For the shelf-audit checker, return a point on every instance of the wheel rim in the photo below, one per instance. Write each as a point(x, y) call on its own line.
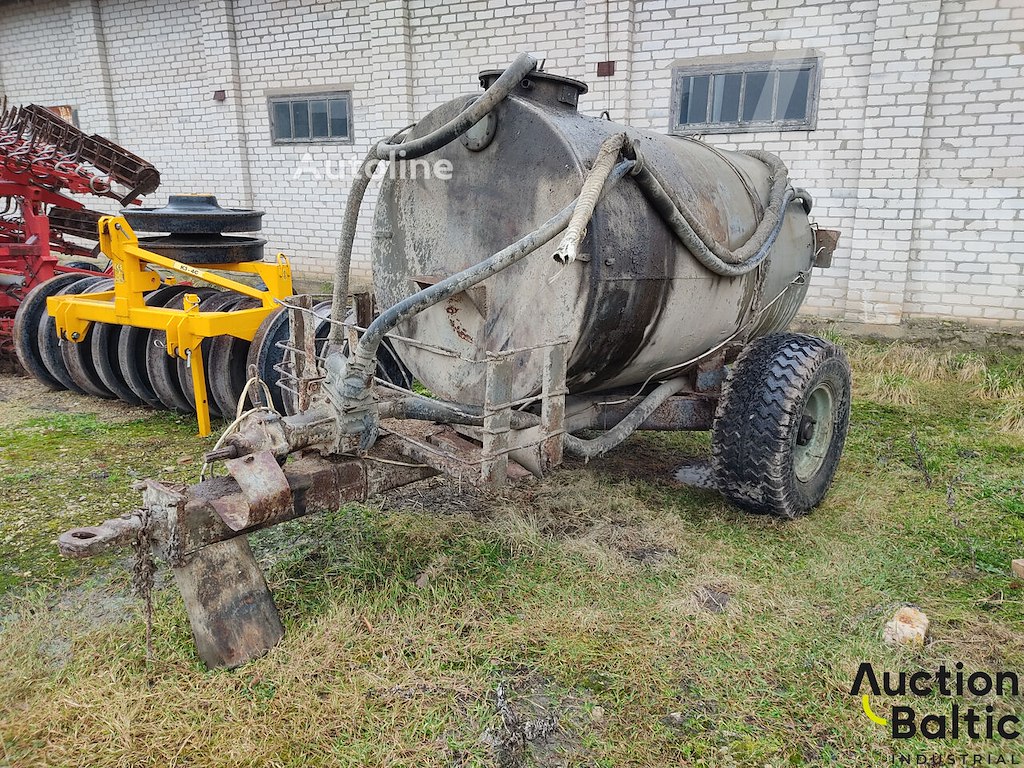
point(814, 432)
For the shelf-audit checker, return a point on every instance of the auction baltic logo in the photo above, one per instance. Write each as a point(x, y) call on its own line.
point(958, 719)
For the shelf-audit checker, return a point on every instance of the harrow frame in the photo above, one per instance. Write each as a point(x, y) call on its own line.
point(187, 328)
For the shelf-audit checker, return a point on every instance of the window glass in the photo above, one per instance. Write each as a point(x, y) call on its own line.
point(300, 119)
point(339, 117)
point(791, 102)
point(282, 117)
point(744, 94)
point(757, 96)
point(693, 100)
point(318, 119)
point(725, 107)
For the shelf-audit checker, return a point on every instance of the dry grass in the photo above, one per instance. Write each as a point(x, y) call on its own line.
point(625, 621)
point(894, 374)
point(1011, 412)
point(893, 388)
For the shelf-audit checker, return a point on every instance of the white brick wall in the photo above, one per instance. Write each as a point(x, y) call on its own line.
point(916, 155)
point(967, 259)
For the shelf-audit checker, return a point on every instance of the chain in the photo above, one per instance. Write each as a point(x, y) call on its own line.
point(143, 570)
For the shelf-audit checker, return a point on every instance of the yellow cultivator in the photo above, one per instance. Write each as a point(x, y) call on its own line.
point(150, 337)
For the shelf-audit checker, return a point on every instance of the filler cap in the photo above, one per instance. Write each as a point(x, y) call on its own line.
point(554, 90)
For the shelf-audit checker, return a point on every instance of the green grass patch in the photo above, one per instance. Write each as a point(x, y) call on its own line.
point(603, 617)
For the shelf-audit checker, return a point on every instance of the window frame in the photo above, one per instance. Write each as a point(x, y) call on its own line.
point(733, 65)
point(309, 96)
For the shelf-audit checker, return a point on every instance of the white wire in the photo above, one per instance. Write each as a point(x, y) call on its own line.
point(240, 416)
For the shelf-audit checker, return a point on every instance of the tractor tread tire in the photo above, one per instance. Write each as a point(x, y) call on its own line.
point(758, 416)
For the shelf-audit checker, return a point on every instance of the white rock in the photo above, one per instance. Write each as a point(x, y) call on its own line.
point(908, 627)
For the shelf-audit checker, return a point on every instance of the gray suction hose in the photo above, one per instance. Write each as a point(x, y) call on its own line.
point(343, 257)
point(366, 350)
point(427, 409)
point(692, 232)
point(523, 65)
point(590, 449)
point(388, 150)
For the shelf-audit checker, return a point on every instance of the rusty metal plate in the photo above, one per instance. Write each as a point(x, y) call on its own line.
point(825, 242)
point(264, 486)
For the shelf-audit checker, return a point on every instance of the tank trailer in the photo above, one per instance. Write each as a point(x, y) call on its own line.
point(570, 275)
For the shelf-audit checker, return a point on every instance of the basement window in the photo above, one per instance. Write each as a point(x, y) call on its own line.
point(737, 96)
point(311, 118)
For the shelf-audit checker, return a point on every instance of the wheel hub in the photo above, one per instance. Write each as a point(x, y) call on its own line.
point(806, 431)
point(814, 432)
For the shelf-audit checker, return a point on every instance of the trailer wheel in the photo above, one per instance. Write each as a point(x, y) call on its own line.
point(781, 423)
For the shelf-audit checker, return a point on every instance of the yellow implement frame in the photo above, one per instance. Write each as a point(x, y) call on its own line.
point(186, 328)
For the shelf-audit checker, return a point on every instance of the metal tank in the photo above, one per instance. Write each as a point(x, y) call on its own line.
point(636, 302)
point(653, 264)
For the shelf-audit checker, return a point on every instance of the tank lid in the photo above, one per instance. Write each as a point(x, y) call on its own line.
point(541, 86)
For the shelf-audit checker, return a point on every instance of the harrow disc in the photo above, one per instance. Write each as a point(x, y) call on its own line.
point(161, 367)
point(50, 345)
point(78, 357)
point(390, 367)
point(104, 358)
point(88, 266)
point(26, 324)
point(322, 330)
point(220, 301)
point(131, 348)
point(265, 355)
point(226, 363)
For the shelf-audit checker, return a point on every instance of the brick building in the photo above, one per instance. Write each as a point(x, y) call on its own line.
point(904, 119)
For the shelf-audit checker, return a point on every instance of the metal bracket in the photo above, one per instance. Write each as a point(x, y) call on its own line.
point(825, 242)
point(264, 487)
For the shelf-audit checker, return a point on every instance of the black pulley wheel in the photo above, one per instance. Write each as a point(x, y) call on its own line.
point(131, 348)
point(781, 424)
point(26, 325)
point(226, 363)
point(78, 356)
point(206, 249)
point(50, 345)
point(161, 367)
point(193, 215)
point(219, 301)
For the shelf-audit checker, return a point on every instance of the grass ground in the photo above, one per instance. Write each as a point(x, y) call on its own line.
point(604, 617)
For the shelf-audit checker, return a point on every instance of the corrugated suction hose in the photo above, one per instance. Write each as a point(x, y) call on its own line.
point(409, 150)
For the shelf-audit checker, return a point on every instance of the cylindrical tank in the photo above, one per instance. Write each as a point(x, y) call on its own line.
point(636, 303)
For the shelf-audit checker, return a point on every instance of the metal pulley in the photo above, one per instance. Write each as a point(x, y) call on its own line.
point(196, 225)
